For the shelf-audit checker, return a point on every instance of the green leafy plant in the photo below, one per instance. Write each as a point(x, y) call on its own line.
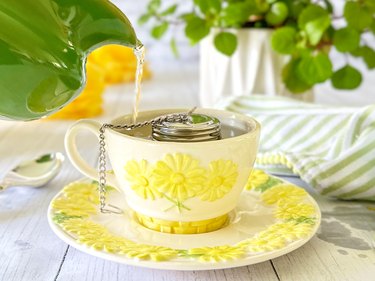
point(305, 30)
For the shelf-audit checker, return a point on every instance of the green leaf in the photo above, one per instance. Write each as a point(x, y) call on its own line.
point(208, 6)
point(62, 217)
point(277, 14)
point(357, 16)
point(169, 10)
point(226, 43)
point(368, 56)
point(107, 188)
point(314, 69)
point(372, 26)
point(268, 184)
point(174, 48)
point(291, 79)
point(262, 5)
point(237, 14)
point(260, 24)
point(303, 219)
point(153, 5)
point(328, 5)
point(314, 20)
point(283, 40)
point(295, 7)
point(357, 52)
point(346, 39)
point(187, 16)
point(196, 29)
point(158, 31)
point(370, 5)
point(346, 78)
point(144, 18)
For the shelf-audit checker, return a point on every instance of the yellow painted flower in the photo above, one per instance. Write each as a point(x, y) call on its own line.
point(82, 190)
point(74, 207)
point(179, 176)
point(139, 175)
point(283, 192)
point(288, 230)
point(256, 178)
point(83, 227)
point(222, 175)
point(148, 252)
point(105, 241)
point(218, 253)
point(287, 210)
point(264, 244)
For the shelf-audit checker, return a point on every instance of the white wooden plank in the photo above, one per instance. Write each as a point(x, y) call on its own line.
point(29, 249)
point(342, 250)
point(318, 261)
point(80, 266)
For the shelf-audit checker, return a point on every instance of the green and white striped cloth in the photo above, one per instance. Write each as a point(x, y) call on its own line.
point(331, 148)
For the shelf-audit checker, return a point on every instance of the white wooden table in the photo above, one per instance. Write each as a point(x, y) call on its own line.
point(343, 249)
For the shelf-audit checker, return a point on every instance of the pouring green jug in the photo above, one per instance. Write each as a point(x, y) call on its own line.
point(43, 50)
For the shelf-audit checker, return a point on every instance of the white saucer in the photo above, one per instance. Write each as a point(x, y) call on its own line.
point(273, 218)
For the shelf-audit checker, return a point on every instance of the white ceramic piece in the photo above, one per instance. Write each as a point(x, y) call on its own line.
point(203, 165)
point(254, 68)
point(272, 219)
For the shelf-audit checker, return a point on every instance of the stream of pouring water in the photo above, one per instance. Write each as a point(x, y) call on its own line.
point(139, 52)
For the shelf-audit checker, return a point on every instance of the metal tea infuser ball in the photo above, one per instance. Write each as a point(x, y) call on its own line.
point(196, 128)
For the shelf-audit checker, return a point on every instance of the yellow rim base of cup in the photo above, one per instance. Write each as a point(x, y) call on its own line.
point(180, 227)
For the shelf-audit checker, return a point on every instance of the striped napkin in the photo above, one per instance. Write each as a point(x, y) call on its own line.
point(331, 148)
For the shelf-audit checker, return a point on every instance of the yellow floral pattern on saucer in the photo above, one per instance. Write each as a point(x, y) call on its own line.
point(283, 192)
point(219, 253)
point(75, 211)
point(256, 178)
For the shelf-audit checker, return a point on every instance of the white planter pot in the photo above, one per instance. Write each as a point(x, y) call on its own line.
point(253, 69)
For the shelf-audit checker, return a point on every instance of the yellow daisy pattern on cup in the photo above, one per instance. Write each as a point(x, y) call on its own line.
point(221, 177)
point(256, 178)
point(139, 175)
point(283, 192)
point(178, 176)
point(218, 253)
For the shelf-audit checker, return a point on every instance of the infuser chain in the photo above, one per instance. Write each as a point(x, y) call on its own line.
point(108, 208)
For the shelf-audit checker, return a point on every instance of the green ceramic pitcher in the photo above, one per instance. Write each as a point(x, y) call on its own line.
point(43, 50)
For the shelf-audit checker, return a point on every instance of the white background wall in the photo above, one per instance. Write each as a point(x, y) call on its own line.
point(159, 54)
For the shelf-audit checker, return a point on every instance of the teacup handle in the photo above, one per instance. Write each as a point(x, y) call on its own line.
point(75, 157)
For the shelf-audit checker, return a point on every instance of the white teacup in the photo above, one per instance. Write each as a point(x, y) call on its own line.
point(176, 187)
